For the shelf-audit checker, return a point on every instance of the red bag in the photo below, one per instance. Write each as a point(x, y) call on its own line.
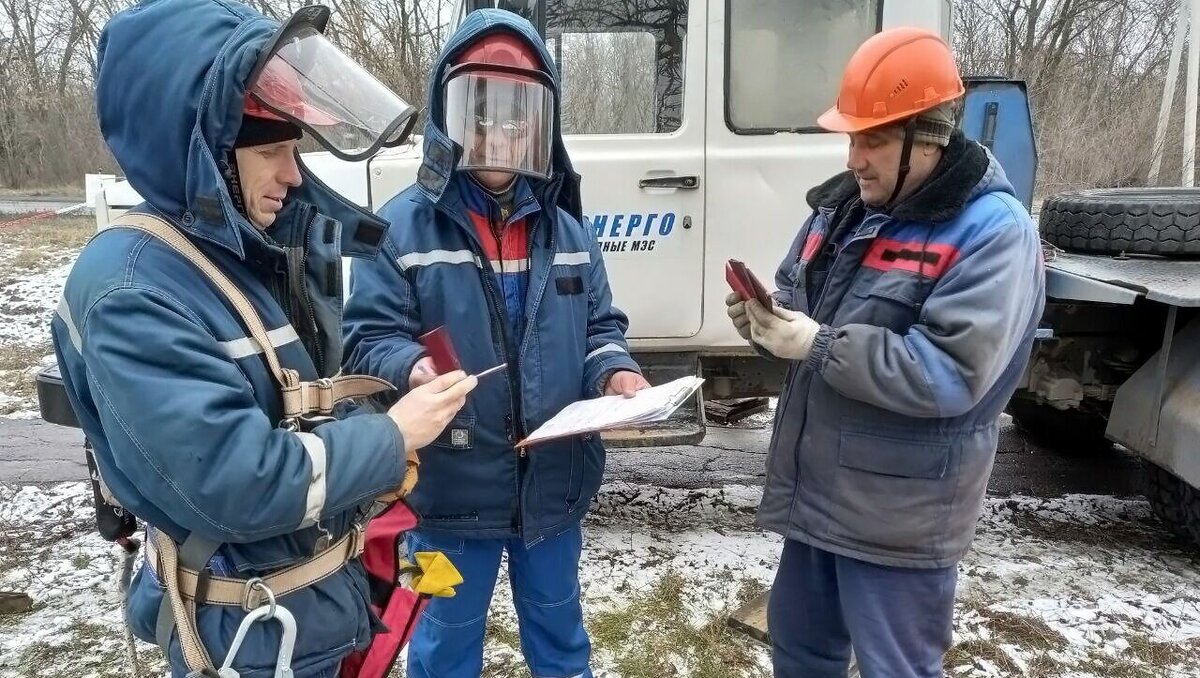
point(399, 607)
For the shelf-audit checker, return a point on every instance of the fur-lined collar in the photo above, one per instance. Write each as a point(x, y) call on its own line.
point(960, 175)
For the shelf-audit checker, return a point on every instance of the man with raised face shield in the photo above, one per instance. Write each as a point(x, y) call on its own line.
point(490, 245)
point(199, 339)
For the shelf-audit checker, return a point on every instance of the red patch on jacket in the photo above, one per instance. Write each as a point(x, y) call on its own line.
point(811, 245)
point(931, 261)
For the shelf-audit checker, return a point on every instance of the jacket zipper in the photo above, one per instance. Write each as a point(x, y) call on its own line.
point(514, 422)
point(851, 239)
point(513, 425)
point(516, 429)
point(306, 306)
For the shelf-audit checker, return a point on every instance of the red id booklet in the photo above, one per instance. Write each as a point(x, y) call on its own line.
point(745, 283)
point(441, 349)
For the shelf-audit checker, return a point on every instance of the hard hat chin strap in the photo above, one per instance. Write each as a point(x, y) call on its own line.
point(910, 128)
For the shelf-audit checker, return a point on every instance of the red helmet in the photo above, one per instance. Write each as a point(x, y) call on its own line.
point(279, 85)
point(498, 87)
point(500, 49)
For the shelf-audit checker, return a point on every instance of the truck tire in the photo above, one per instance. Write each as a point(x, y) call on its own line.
point(1165, 493)
point(1162, 221)
point(1173, 501)
point(1073, 432)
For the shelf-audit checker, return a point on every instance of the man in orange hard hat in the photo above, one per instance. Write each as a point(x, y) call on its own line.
point(907, 307)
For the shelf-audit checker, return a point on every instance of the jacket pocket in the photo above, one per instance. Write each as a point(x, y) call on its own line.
point(893, 456)
point(575, 480)
point(893, 300)
point(459, 434)
point(892, 494)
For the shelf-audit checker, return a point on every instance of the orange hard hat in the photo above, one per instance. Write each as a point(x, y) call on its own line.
point(280, 85)
point(894, 75)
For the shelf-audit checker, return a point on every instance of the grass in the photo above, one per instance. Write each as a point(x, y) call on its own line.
point(652, 636)
point(1029, 633)
point(38, 238)
point(1163, 655)
point(65, 190)
point(16, 378)
point(968, 651)
point(498, 632)
point(1044, 666)
point(1110, 667)
point(88, 648)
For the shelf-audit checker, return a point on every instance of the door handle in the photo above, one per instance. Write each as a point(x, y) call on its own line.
point(688, 182)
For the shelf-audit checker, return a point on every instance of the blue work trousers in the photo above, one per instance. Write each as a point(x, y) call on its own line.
point(448, 640)
point(899, 621)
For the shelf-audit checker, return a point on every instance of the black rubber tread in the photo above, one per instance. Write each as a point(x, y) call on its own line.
point(1190, 507)
point(1162, 221)
point(1166, 495)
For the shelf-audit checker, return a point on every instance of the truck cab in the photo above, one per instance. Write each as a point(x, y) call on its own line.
point(693, 126)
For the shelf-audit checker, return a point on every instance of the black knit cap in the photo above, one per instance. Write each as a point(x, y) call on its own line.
point(257, 131)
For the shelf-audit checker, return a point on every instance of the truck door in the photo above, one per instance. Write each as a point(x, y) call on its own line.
point(774, 67)
point(633, 116)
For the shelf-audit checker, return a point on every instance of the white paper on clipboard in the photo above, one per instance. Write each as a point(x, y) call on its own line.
point(650, 405)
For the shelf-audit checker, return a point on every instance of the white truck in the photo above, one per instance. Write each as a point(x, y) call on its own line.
point(693, 125)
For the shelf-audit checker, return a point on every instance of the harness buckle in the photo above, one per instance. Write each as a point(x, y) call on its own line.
point(251, 602)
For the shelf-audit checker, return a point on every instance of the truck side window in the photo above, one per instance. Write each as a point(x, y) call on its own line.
point(622, 67)
point(785, 59)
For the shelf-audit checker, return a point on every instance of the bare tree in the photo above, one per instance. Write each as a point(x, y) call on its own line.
point(1094, 69)
point(48, 130)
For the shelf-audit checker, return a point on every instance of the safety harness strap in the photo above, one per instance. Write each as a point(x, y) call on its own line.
point(182, 569)
point(300, 398)
point(175, 613)
point(231, 592)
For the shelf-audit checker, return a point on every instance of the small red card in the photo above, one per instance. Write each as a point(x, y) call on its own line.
point(745, 283)
point(441, 349)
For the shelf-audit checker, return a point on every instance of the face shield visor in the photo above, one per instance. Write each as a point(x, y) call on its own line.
point(502, 117)
point(304, 79)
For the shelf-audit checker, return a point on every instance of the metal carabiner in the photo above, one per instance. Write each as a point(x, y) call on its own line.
point(287, 644)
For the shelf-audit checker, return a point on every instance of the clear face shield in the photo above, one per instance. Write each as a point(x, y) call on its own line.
point(303, 78)
point(502, 117)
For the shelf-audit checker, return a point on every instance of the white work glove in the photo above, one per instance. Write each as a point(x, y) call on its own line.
point(737, 313)
point(785, 334)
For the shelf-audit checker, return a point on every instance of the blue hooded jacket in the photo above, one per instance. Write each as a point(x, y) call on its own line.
point(431, 272)
point(176, 399)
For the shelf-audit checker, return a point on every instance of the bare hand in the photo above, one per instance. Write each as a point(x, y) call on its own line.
point(422, 373)
point(425, 411)
point(625, 383)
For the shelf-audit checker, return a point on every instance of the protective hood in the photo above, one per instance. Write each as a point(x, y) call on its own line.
point(441, 154)
point(170, 89)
